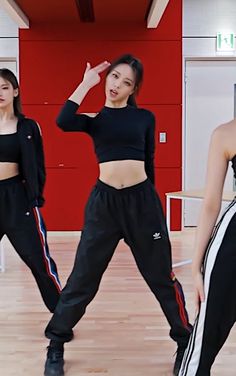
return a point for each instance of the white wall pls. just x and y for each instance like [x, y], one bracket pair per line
[9, 39]
[202, 19]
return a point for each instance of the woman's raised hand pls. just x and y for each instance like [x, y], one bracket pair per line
[92, 75]
[90, 79]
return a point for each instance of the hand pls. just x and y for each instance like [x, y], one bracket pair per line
[92, 75]
[199, 289]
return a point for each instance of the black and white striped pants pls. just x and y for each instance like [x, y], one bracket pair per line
[217, 313]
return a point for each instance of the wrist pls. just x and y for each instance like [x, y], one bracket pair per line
[196, 270]
[84, 85]
[80, 93]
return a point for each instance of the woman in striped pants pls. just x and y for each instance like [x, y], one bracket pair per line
[22, 179]
[214, 265]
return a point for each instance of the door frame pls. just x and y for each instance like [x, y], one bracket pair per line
[184, 100]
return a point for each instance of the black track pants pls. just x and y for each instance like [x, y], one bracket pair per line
[25, 228]
[135, 214]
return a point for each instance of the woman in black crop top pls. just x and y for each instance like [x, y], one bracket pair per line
[22, 177]
[214, 263]
[123, 204]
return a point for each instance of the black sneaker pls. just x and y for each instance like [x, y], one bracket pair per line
[178, 360]
[55, 362]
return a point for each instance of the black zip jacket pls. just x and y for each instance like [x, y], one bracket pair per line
[31, 164]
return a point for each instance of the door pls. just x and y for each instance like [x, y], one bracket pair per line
[209, 102]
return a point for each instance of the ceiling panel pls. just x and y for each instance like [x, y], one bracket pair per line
[121, 10]
[50, 10]
[66, 10]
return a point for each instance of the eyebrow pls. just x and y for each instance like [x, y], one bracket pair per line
[114, 70]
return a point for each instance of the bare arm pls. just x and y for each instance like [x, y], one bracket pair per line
[90, 79]
[67, 119]
[216, 172]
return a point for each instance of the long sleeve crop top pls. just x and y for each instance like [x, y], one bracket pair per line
[117, 133]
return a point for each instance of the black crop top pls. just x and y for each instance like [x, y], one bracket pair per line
[9, 148]
[117, 133]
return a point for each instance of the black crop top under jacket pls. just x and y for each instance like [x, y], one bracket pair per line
[117, 133]
[31, 165]
[9, 148]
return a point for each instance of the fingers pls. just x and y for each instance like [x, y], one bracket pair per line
[101, 67]
[197, 301]
[199, 296]
[98, 68]
[88, 66]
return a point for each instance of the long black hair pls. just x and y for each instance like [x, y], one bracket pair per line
[137, 67]
[9, 76]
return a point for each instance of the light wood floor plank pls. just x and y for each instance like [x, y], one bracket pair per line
[123, 333]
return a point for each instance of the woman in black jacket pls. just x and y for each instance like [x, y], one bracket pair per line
[22, 178]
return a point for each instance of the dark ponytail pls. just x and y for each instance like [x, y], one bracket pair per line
[131, 101]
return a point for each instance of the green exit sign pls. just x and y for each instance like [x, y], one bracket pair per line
[225, 42]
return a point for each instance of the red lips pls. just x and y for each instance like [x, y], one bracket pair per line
[113, 92]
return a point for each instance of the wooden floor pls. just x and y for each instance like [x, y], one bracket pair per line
[123, 333]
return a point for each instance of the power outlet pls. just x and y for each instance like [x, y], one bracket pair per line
[162, 137]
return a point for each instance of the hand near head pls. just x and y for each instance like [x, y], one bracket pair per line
[90, 79]
[92, 75]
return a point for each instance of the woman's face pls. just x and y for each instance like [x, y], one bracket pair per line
[120, 83]
[7, 93]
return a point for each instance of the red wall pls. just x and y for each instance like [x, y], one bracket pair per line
[52, 60]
